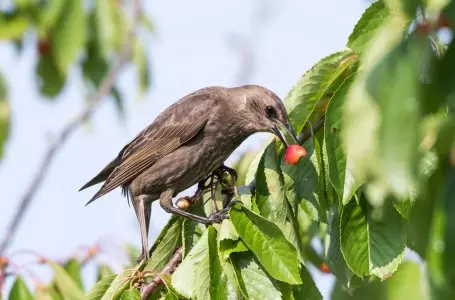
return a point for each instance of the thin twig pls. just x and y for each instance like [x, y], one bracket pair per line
[94, 100]
[170, 267]
[304, 136]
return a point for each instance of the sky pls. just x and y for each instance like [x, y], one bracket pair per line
[192, 48]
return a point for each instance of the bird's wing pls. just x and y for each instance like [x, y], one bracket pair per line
[175, 126]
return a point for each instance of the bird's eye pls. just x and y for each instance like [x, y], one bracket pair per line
[270, 111]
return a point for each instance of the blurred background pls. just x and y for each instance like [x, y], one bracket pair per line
[192, 44]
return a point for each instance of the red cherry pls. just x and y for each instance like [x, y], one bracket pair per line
[44, 47]
[443, 21]
[293, 154]
[325, 268]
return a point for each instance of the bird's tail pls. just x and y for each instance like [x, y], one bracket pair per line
[103, 175]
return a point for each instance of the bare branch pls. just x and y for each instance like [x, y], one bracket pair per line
[94, 101]
[170, 267]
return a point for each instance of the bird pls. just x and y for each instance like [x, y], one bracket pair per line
[185, 143]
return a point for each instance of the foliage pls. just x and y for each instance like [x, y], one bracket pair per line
[377, 183]
[69, 34]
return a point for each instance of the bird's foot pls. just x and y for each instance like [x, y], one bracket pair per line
[219, 216]
[143, 258]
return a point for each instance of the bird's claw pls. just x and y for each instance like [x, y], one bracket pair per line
[219, 216]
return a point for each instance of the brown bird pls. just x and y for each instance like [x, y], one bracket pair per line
[186, 142]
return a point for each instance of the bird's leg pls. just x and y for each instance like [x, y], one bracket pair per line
[213, 188]
[143, 208]
[166, 204]
[234, 177]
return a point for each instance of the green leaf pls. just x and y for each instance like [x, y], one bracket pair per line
[308, 289]
[19, 290]
[51, 80]
[165, 245]
[49, 15]
[242, 166]
[441, 244]
[5, 115]
[313, 86]
[118, 102]
[190, 235]
[44, 294]
[131, 294]
[69, 35]
[142, 66]
[340, 174]
[147, 22]
[100, 288]
[192, 278]
[372, 240]
[301, 184]
[399, 108]
[271, 195]
[335, 258]
[13, 25]
[229, 241]
[227, 247]
[95, 65]
[218, 279]
[268, 243]
[118, 285]
[371, 20]
[65, 284]
[257, 283]
[106, 26]
[73, 267]
[103, 272]
[407, 282]
[235, 289]
[25, 3]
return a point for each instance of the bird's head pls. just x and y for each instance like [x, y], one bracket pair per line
[263, 111]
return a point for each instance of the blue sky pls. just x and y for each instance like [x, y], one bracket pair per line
[190, 51]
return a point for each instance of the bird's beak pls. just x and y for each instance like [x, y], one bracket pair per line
[280, 135]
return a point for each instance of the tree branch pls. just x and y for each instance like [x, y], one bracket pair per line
[170, 267]
[94, 100]
[304, 136]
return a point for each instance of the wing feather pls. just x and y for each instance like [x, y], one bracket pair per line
[174, 127]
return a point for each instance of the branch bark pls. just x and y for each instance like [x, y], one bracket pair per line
[170, 267]
[94, 100]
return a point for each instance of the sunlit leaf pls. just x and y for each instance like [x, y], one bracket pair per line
[69, 35]
[258, 284]
[372, 18]
[19, 290]
[4, 115]
[165, 245]
[65, 284]
[13, 25]
[100, 288]
[131, 294]
[372, 239]
[142, 65]
[313, 86]
[268, 243]
[118, 284]
[339, 170]
[73, 267]
[51, 81]
[192, 277]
